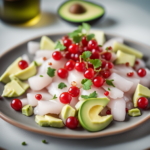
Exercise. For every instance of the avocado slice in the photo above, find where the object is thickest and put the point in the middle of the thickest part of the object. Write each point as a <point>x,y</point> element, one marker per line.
<point>90,14</point>
<point>119,46</point>
<point>12,69</point>
<point>46,43</point>
<point>141,91</point>
<point>89,114</point>
<point>78,105</point>
<point>122,58</point>
<point>27,73</point>
<point>134,112</point>
<point>42,121</point>
<point>27,110</point>
<point>54,122</point>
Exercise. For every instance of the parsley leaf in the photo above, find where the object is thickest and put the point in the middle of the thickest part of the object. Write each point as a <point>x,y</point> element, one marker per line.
<point>54,97</point>
<point>109,82</point>
<point>41,75</point>
<point>51,71</point>
<point>61,85</point>
<point>108,89</point>
<point>77,38</point>
<point>44,141</point>
<point>107,48</point>
<point>35,63</point>
<point>86,55</point>
<point>100,45</point>
<point>86,26</point>
<point>24,143</point>
<point>60,46</point>
<point>86,84</point>
<point>92,95</point>
<point>95,62</point>
<point>90,37</point>
<point>75,32</point>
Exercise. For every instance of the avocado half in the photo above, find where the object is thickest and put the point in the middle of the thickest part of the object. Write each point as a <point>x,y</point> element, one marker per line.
<point>92,13</point>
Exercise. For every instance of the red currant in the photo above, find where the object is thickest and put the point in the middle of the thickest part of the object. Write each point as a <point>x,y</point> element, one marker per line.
<point>142,102</point>
<point>103,64</point>
<point>85,48</point>
<point>16,104</point>
<point>90,65</point>
<point>65,37</point>
<point>72,122</point>
<point>136,62</point>
<point>127,64</point>
<point>92,44</point>
<point>106,93</point>
<point>23,64</point>
<point>65,98</point>
<point>73,48</point>
<point>89,73</point>
<point>80,66</point>
<point>76,57</point>
<point>84,41</point>
<point>127,110</point>
<point>72,56</point>
<point>106,73</point>
<point>56,55</point>
<point>141,72</point>
<point>130,74</point>
<point>38,96</point>
<point>68,55</point>
<point>70,65</point>
<point>110,48</point>
<point>62,73</point>
<point>98,81</point>
<point>67,43</point>
<point>74,91</point>
<point>110,65</point>
<point>95,55</point>
<point>106,56</point>
<point>108,112</point>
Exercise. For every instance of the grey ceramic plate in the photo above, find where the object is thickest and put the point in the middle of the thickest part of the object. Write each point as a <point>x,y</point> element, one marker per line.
<point>28,123</point>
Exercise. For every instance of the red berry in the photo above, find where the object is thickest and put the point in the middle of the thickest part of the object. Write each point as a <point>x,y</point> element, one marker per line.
<point>110,48</point>
<point>70,65</point>
<point>95,55</point>
<point>142,102</point>
<point>92,44</point>
<point>73,48</point>
<point>127,64</point>
<point>65,98</point>
<point>141,72</point>
<point>72,56</point>
<point>74,91</point>
<point>65,37</point>
<point>106,56</point>
<point>136,62</point>
<point>84,41</point>
<point>98,81</point>
<point>103,64</point>
<point>110,65</point>
<point>130,74</point>
<point>62,73</point>
<point>80,66</point>
<point>38,96</point>
<point>76,57</point>
<point>16,104</point>
<point>106,93</point>
<point>127,110</point>
<point>90,65</point>
<point>23,64</point>
<point>68,55</point>
<point>108,112</point>
<point>106,73</point>
<point>72,122</point>
<point>56,55</point>
<point>85,48</point>
<point>67,43</point>
<point>89,73</point>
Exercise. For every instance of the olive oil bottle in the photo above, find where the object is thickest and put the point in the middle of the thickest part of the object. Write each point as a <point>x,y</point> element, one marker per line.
<point>19,11</point>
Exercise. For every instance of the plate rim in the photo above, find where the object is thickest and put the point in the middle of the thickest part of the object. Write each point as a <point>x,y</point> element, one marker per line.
<point>72,136</point>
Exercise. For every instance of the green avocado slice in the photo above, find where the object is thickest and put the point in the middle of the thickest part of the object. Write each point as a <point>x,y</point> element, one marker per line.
<point>134,112</point>
<point>89,114</point>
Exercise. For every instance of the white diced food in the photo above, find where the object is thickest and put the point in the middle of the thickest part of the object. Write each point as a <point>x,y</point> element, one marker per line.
<point>127,97</point>
<point>26,58</point>
<point>74,101</point>
<point>39,60</point>
<point>33,47</point>
<point>141,64</point>
<point>120,82</point>
<point>45,53</point>
<point>113,57</point>
<point>24,101</point>
<point>129,105</point>
<point>38,83</point>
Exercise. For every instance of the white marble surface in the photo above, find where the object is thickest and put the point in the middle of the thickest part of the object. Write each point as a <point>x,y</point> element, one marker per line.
<point>131,19</point>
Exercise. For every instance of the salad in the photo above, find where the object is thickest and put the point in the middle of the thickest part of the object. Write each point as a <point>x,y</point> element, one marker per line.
<point>82,80</point>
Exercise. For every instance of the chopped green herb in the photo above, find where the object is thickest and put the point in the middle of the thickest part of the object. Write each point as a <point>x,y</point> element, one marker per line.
<point>107,48</point>
<point>86,55</point>
<point>51,72</point>
<point>24,143</point>
<point>54,97</point>
<point>60,46</point>
<point>108,89</point>
<point>86,84</point>
<point>61,85</point>
<point>90,37</point>
<point>86,26</point>
<point>109,82</point>
<point>77,38</point>
<point>41,75</point>
<point>100,45</point>
<point>92,95</point>
<point>35,63</point>
<point>95,62</point>
<point>44,141</point>
<point>76,32</point>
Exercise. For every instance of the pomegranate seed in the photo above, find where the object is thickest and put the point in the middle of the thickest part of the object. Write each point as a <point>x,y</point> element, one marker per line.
<point>130,74</point>
<point>65,98</point>
<point>44,58</point>
<point>106,73</point>
<point>136,62</point>
<point>106,93</point>
<point>62,73</point>
<point>70,65</point>
<point>56,55</point>
<point>141,72</point>
<point>103,64</point>
<point>38,96</point>
<point>142,102</point>
<point>74,91</point>
<point>98,81</point>
<point>106,56</point>
<point>95,55</point>
<point>80,66</point>
<point>72,122</point>
<point>73,48</point>
<point>73,83</point>
<point>67,43</point>
<point>110,65</point>
<point>65,37</point>
<point>89,73</point>
<point>68,55</point>
<point>127,64</point>
<point>23,64</point>
<point>16,104</point>
<point>84,41</point>
<point>50,63</point>
<point>127,110</point>
<point>108,112</point>
<point>92,44</point>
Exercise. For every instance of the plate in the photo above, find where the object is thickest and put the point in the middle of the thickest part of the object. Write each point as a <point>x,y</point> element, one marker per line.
<point>28,123</point>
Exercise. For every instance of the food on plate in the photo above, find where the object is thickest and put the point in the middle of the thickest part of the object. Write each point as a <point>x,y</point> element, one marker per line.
<point>82,80</point>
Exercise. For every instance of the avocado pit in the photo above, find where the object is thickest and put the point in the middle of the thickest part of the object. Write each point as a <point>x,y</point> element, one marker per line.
<point>77,9</point>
